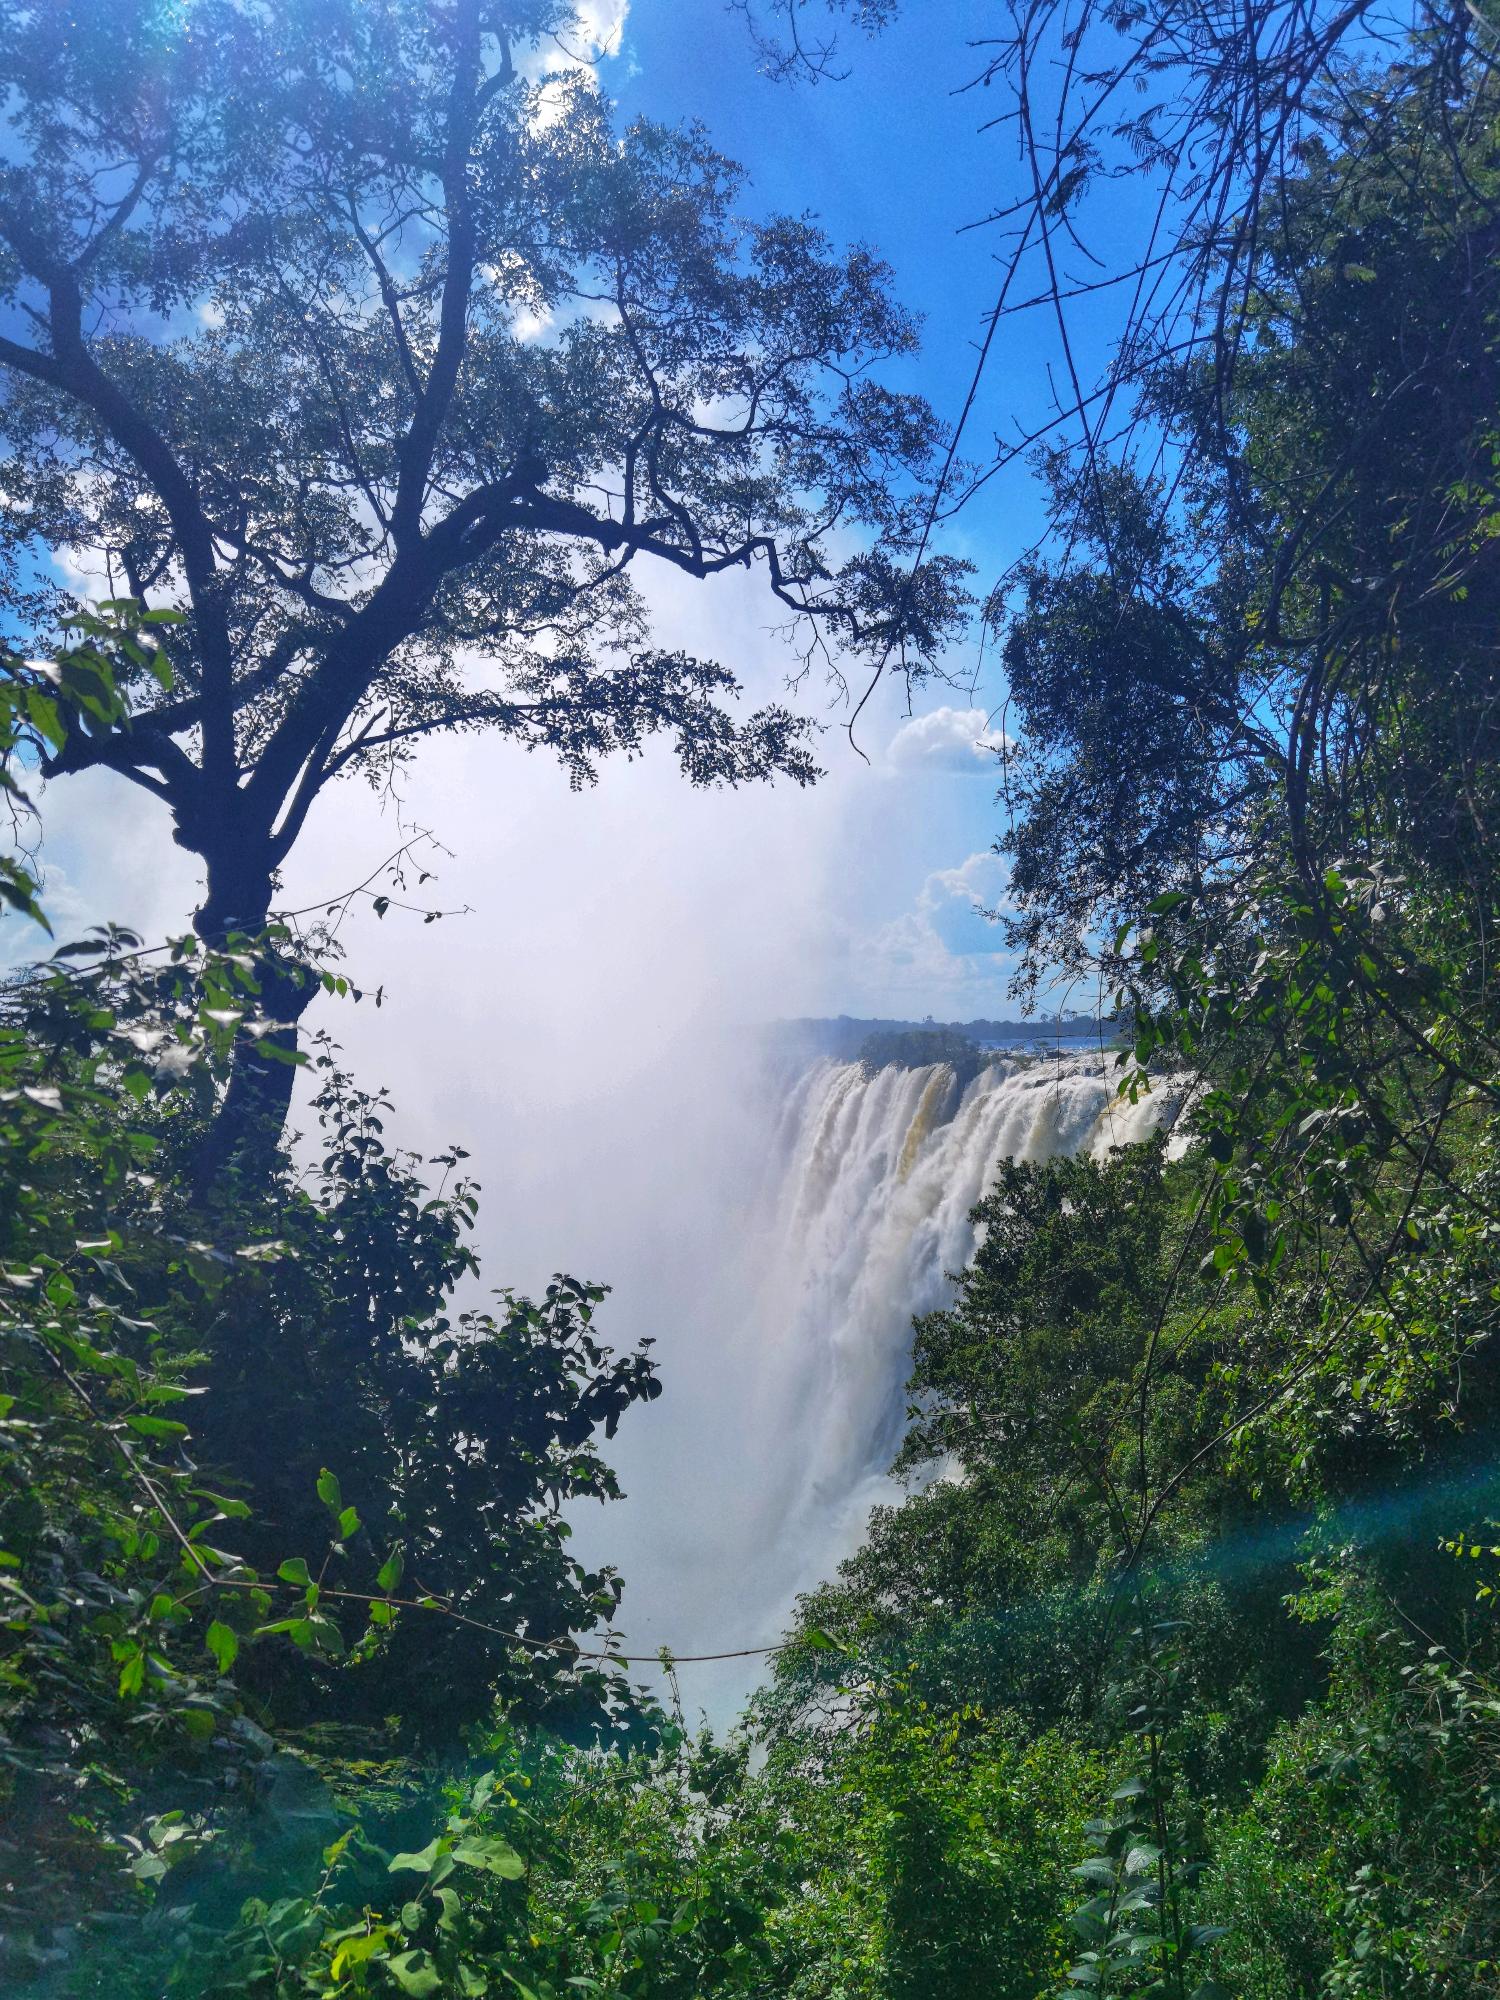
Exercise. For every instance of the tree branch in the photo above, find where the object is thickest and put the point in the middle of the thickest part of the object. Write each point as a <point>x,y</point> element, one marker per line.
<point>72,369</point>
<point>420,442</point>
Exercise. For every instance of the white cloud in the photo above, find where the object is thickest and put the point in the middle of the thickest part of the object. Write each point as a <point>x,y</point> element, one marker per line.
<point>105,855</point>
<point>947,739</point>
<point>601,24</point>
<point>84,571</point>
<point>531,322</point>
<point>595,35</point>
<point>954,900</point>
<point>941,956</point>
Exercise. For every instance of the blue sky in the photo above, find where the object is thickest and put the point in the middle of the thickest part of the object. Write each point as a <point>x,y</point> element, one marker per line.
<point>894,156</point>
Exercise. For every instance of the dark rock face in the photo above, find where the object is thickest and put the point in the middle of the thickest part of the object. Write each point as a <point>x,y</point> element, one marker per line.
<point>919,1048</point>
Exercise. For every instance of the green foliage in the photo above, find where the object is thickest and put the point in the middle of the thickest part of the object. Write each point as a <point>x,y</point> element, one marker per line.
<point>1075,1259</point>
<point>434,1443</point>
<point>1136,1927</point>
<point>1257,795</point>
<point>918,1849</point>
<point>151,1488</point>
<point>1361,1864</point>
<point>962,1837</point>
<point>109,1532</point>
<point>187,1508</point>
<point>1117,669</point>
<point>75,693</point>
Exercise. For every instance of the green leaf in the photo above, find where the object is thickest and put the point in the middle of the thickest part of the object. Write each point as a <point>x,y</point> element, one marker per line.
<point>356,1947</point>
<point>223,1644</point>
<point>157,1427</point>
<point>489,1852</point>
<point>421,1861</point>
<point>1097,1871</point>
<point>348,1523</point>
<point>390,1570</point>
<point>324,1634</point>
<point>1255,1234</point>
<point>294,1570</point>
<point>277,1052</point>
<point>328,1492</point>
<point>1144,1855</point>
<point>1199,1935</point>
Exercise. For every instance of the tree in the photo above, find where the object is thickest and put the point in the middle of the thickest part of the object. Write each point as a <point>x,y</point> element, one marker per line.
<point>1141,767</point>
<point>1043,1405</point>
<point>275,283</point>
<point>1283,659</point>
<point>456,1436</point>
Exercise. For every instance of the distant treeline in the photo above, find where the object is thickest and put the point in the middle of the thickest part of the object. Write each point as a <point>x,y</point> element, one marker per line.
<point>846,1037</point>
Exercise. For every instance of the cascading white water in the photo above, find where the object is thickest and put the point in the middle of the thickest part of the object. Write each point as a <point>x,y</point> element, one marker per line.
<point>879,1173</point>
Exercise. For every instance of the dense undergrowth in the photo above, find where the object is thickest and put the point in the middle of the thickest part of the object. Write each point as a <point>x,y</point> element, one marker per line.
<point>1178,1671</point>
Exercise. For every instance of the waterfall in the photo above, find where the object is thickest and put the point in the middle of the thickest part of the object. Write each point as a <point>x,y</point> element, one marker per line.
<point>868,1223</point>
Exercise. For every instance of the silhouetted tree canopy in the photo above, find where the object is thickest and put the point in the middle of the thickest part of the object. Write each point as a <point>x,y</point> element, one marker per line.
<point>371,342</point>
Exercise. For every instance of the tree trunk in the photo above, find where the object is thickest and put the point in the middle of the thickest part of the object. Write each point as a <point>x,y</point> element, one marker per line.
<point>240,1145</point>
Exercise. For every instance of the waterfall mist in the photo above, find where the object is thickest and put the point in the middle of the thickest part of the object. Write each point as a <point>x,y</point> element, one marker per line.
<point>786,1383</point>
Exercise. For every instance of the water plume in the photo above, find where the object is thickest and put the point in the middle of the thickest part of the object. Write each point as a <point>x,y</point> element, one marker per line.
<point>862,1219</point>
